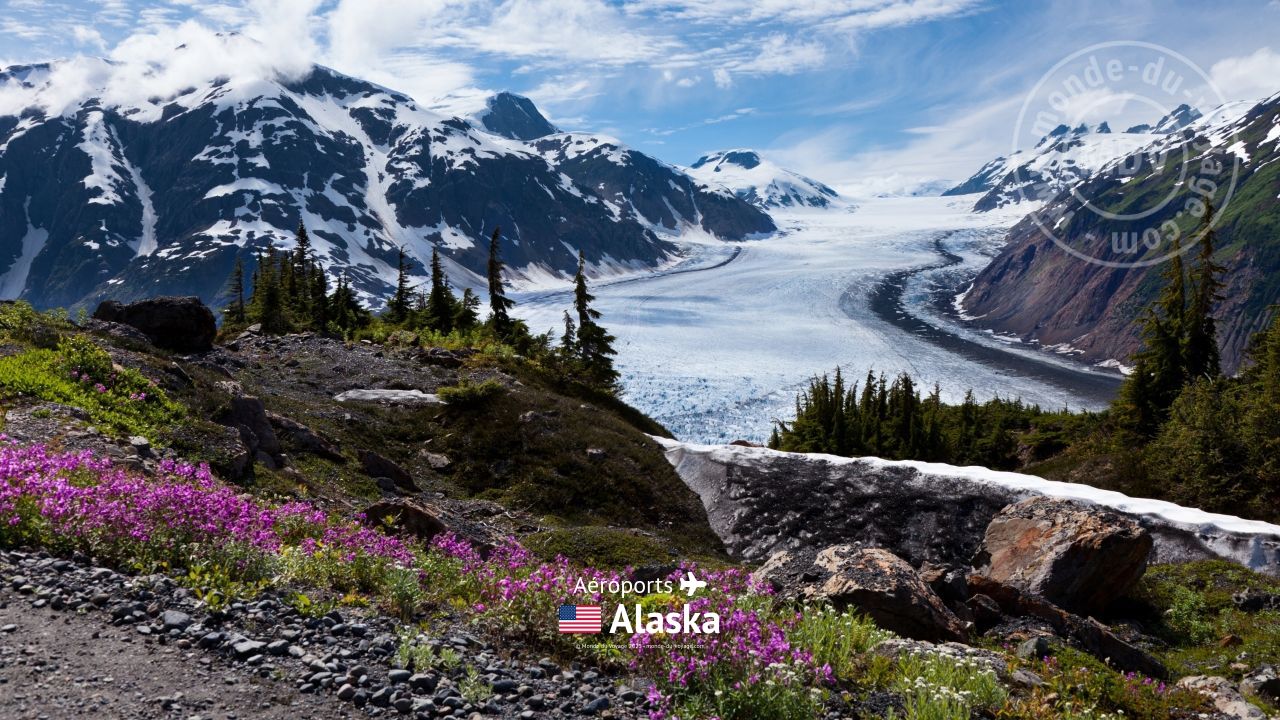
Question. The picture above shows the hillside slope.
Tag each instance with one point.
(1039, 292)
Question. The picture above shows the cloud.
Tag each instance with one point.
(782, 55)
(88, 36)
(1248, 77)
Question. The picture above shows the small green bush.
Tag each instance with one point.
(467, 394)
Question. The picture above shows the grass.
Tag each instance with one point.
(1189, 607)
(599, 546)
(81, 374)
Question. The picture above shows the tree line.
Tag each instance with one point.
(289, 292)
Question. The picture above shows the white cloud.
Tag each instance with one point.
(89, 37)
(782, 55)
(1248, 77)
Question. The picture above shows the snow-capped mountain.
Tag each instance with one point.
(761, 182)
(104, 193)
(1063, 158)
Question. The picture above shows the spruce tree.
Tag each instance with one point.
(595, 344)
(1201, 355)
(1149, 393)
(271, 306)
(467, 315)
(499, 304)
(441, 305)
(319, 301)
(399, 305)
(569, 340)
(236, 313)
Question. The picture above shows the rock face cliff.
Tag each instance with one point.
(761, 501)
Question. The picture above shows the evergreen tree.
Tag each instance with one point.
(467, 315)
(270, 310)
(569, 340)
(1201, 355)
(399, 305)
(595, 344)
(441, 305)
(499, 304)
(1149, 394)
(236, 313)
(319, 301)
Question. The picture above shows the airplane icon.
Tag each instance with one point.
(691, 584)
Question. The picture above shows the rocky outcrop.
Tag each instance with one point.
(181, 324)
(760, 501)
(1077, 556)
(1224, 696)
(1089, 634)
(870, 580)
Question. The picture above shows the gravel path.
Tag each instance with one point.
(66, 665)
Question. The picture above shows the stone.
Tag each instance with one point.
(1263, 682)
(249, 414)
(175, 620)
(304, 438)
(1088, 634)
(346, 692)
(406, 516)
(1224, 696)
(898, 648)
(399, 676)
(181, 324)
(437, 461)
(393, 397)
(377, 466)
(1036, 648)
(246, 649)
(871, 580)
(1077, 556)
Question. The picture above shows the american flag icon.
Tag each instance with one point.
(580, 619)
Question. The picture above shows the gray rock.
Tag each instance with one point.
(1035, 648)
(759, 501)
(246, 649)
(175, 620)
(399, 676)
(1264, 682)
(1224, 696)
(394, 397)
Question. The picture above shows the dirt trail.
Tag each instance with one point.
(56, 665)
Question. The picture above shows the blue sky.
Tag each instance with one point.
(868, 95)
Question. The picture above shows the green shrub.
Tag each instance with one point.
(838, 639)
(467, 394)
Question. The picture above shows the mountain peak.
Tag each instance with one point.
(515, 117)
(756, 180)
(745, 159)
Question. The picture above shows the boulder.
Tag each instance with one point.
(1224, 696)
(181, 324)
(407, 517)
(1080, 557)
(304, 438)
(377, 466)
(898, 648)
(871, 580)
(1263, 682)
(1088, 634)
(249, 416)
(392, 397)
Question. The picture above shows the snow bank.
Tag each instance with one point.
(734, 481)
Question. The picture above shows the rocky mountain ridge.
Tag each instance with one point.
(1063, 157)
(127, 198)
